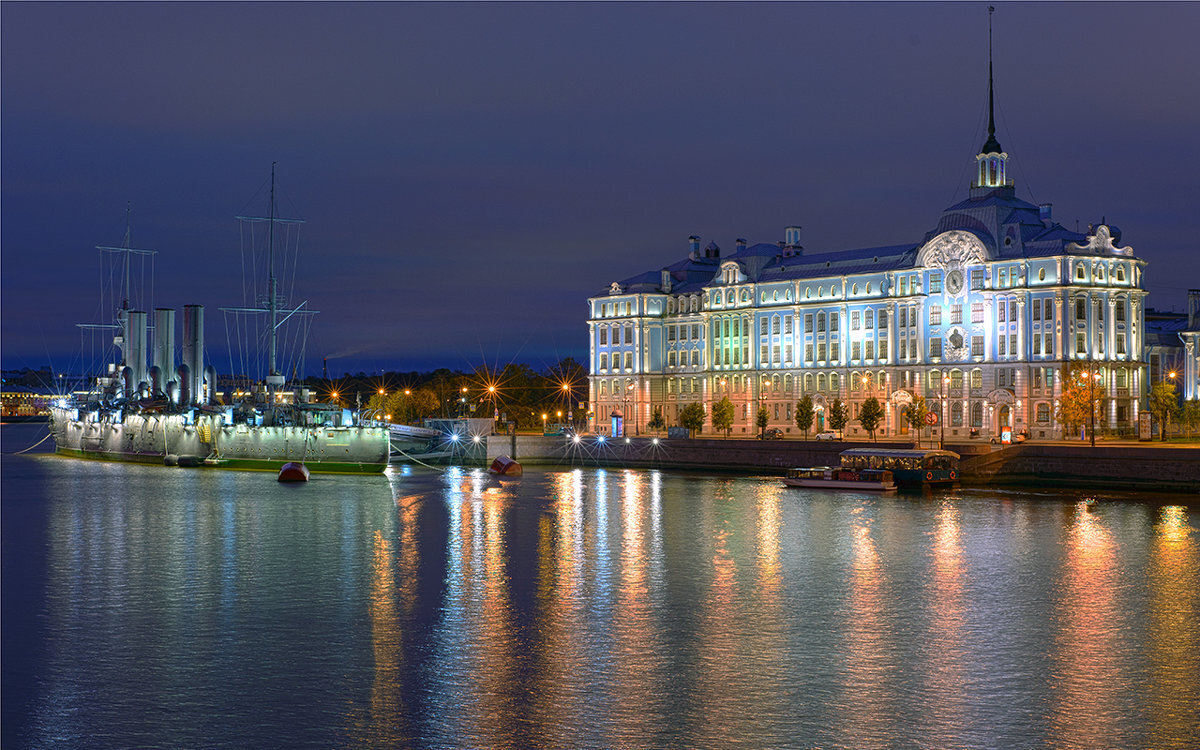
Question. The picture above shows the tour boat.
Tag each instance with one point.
(145, 409)
(910, 468)
(834, 477)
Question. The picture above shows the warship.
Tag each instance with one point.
(146, 408)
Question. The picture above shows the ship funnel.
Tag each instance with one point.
(183, 378)
(156, 384)
(193, 353)
(135, 345)
(164, 342)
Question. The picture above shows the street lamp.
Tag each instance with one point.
(1093, 378)
(631, 394)
(942, 416)
(544, 416)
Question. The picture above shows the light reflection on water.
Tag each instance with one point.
(593, 608)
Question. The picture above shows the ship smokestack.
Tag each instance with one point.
(135, 346)
(164, 343)
(193, 353)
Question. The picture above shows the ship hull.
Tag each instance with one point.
(168, 438)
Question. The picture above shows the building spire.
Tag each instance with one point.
(991, 146)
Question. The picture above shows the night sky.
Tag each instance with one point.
(471, 173)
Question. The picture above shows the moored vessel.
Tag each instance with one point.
(834, 477)
(149, 410)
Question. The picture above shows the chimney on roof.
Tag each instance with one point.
(694, 247)
(666, 281)
(1044, 212)
(739, 245)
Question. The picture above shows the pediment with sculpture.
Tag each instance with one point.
(953, 249)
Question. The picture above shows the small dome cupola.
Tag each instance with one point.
(991, 161)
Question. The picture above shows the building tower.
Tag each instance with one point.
(991, 162)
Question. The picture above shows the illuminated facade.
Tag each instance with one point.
(981, 318)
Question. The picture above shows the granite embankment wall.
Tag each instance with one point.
(1134, 466)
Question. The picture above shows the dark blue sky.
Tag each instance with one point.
(471, 173)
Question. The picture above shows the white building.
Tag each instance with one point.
(981, 317)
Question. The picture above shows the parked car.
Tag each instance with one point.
(773, 434)
(829, 435)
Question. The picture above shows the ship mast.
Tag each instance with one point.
(273, 303)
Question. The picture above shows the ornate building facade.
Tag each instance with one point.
(982, 318)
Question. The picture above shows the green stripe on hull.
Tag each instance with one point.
(236, 464)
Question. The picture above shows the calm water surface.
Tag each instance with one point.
(154, 607)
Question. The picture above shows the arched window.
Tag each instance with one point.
(977, 378)
(956, 414)
(820, 381)
(774, 324)
(977, 414)
(775, 384)
(834, 381)
(1079, 272)
(855, 380)
(1120, 273)
(787, 383)
(604, 387)
(956, 379)
(808, 382)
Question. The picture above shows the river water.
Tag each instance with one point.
(153, 607)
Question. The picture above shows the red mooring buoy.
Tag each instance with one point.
(293, 471)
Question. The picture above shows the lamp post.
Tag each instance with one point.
(1093, 377)
(942, 416)
(630, 394)
(407, 406)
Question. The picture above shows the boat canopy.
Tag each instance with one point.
(889, 458)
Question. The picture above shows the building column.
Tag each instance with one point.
(1021, 328)
(921, 342)
(1061, 330)
(892, 358)
(1110, 329)
(990, 326)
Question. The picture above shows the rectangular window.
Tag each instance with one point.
(903, 348)
(1003, 342)
(820, 322)
(1000, 310)
(834, 352)
(670, 333)
(1037, 310)
(1012, 344)
(833, 322)
(1120, 312)
(870, 350)
(820, 352)
(762, 328)
(762, 355)
(787, 353)
(1037, 377)
(1012, 310)
(883, 349)
(883, 320)
(868, 319)
(775, 324)
(903, 321)
(956, 314)
(976, 379)
(903, 286)
(935, 316)
(1002, 377)
(1080, 344)
(629, 334)
(935, 347)
(976, 312)
(1122, 378)
(1120, 343)
(1049, 377)
(1080, 310)
(808, 323)
(1049, 345)
(1003, 279)
(855, 350)
(977, 346)
(935, 282)
(787, 324)
(1037, 345)
(1049, 310)
(855, 323)
(808, 353)
(604, 335)
(977, 278)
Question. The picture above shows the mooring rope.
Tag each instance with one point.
(48, 436)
